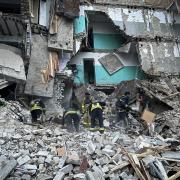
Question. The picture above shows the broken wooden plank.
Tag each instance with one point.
(136, 160)
(7, 168)
(171, 95)
(175, 176)
(145, 172)
(135, 167)
(168, 159)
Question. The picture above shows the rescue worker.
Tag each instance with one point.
(122, 108)
(86, 109)
(71, 118)
(142, 100)
(37, 109)
(96, 112)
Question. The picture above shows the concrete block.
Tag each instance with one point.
(67, 169)
(108, 151)
(41, 160)
(49, 159)
(59, 176)
(90, 176)
(56, 160)
(80, 176)
(43, 153)
(73, 158)
(44, 177)
(22, 160)
(91, 147)
(26, 177)
(30, 167)
(62, 162)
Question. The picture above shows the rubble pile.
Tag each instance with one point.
(166, 91)
(58, 93)
(49, 152)
(54, 105)
(13, 111)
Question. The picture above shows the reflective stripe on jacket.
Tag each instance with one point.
(96, 106)
(36, 107)
(71, 112)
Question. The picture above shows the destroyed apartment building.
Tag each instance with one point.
(47, 45)
(57, 50)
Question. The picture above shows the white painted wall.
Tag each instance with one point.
(42, 13)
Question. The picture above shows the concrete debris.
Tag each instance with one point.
(22, 160)
(6, 167)
(48, 152)
(104, 48)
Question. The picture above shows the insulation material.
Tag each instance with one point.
(53, 66)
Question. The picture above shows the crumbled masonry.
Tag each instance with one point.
(47, 151)
(53, 53)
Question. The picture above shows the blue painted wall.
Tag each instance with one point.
(103, 77)
(107, 41)
(79, 25)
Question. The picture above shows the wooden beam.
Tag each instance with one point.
(175, 176)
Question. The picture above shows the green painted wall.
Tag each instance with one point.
(79, 25)
(107, 41)
(103, 77)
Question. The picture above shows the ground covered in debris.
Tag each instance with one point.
(49, 152)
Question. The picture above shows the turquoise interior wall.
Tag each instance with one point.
(79, 25)
(103, 77)
(107, 41)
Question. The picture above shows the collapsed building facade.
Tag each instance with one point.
(48, 47)
(58, 49)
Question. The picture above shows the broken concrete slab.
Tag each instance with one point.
(44, 177)
(62, 162)
(59, 176)
(22, 160)
(90, 176)
(39, 60)
(12, 66)
(73, 158)
(80, 176)
(43, 153)
(7, 168)
(67, 169)
(60, 40)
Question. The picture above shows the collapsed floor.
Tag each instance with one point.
(49, 152)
